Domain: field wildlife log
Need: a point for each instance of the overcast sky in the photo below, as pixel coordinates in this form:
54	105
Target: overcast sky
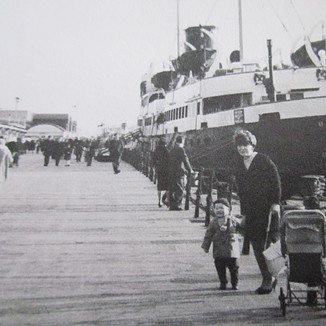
87	57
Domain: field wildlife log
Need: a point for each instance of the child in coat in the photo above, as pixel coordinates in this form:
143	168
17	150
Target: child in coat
226	249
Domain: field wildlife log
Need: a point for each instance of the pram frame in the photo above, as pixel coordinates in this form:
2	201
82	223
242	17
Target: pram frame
318	290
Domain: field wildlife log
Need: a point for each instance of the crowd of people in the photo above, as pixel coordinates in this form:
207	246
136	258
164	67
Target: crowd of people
58	149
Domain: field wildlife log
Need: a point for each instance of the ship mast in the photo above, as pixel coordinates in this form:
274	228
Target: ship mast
178	29
240	30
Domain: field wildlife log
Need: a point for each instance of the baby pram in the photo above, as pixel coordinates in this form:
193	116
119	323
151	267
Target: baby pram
303	243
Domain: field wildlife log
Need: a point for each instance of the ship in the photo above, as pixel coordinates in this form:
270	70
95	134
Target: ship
284	106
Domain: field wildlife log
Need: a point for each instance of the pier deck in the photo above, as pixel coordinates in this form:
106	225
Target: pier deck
83	246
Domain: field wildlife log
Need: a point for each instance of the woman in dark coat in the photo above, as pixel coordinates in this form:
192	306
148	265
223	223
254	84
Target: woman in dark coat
161	163
259	189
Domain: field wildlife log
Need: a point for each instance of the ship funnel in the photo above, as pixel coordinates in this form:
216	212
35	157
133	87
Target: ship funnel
199	37
199	54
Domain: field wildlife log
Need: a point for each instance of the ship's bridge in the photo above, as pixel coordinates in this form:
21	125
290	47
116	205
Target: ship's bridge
153	102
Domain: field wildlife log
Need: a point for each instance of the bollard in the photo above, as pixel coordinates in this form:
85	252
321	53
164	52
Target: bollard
188	189
209	197
154	176
198	193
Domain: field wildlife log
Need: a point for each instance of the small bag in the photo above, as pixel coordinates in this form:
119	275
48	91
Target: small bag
273	255
274	259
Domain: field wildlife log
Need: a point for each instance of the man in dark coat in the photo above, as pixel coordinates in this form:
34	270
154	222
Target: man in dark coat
115	148
47	149
178	166
259	189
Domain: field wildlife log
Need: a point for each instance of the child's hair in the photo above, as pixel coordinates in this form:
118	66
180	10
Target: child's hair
223	201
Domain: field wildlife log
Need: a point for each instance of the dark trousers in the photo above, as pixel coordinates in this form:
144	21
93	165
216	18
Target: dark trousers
115	165
258	247
176	192
221	264
46	159
89	160
57	160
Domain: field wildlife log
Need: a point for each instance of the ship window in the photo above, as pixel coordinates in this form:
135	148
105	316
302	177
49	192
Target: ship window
156	96
280	97
225	102
174	114
198	108
175	129
148	121
140	122
269	117
203	125
177	114
296	96
152	98
183	112
180	113
186	113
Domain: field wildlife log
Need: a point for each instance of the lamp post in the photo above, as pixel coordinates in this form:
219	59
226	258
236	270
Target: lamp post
76	118
16	108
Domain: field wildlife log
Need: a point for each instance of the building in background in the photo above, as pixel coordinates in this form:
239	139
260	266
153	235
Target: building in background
18	124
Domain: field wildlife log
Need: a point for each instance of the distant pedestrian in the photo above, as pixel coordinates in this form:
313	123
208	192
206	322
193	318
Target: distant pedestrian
259	189
68	148
57	150
179	165
78	150
47	149
222	231
5	160
90	152
13	147
115	148
161	165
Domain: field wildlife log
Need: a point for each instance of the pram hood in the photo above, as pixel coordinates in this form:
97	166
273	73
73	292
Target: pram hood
303	231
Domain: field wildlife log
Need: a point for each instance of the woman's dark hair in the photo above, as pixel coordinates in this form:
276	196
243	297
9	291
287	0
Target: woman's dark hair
244	137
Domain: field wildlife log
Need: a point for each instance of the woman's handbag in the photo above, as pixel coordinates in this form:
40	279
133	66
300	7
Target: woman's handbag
274	259
273	256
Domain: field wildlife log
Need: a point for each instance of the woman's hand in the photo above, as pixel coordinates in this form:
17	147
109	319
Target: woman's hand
275	209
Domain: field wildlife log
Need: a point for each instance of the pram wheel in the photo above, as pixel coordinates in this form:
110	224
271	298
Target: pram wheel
282	301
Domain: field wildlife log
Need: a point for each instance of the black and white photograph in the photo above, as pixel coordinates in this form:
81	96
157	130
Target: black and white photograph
162	162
